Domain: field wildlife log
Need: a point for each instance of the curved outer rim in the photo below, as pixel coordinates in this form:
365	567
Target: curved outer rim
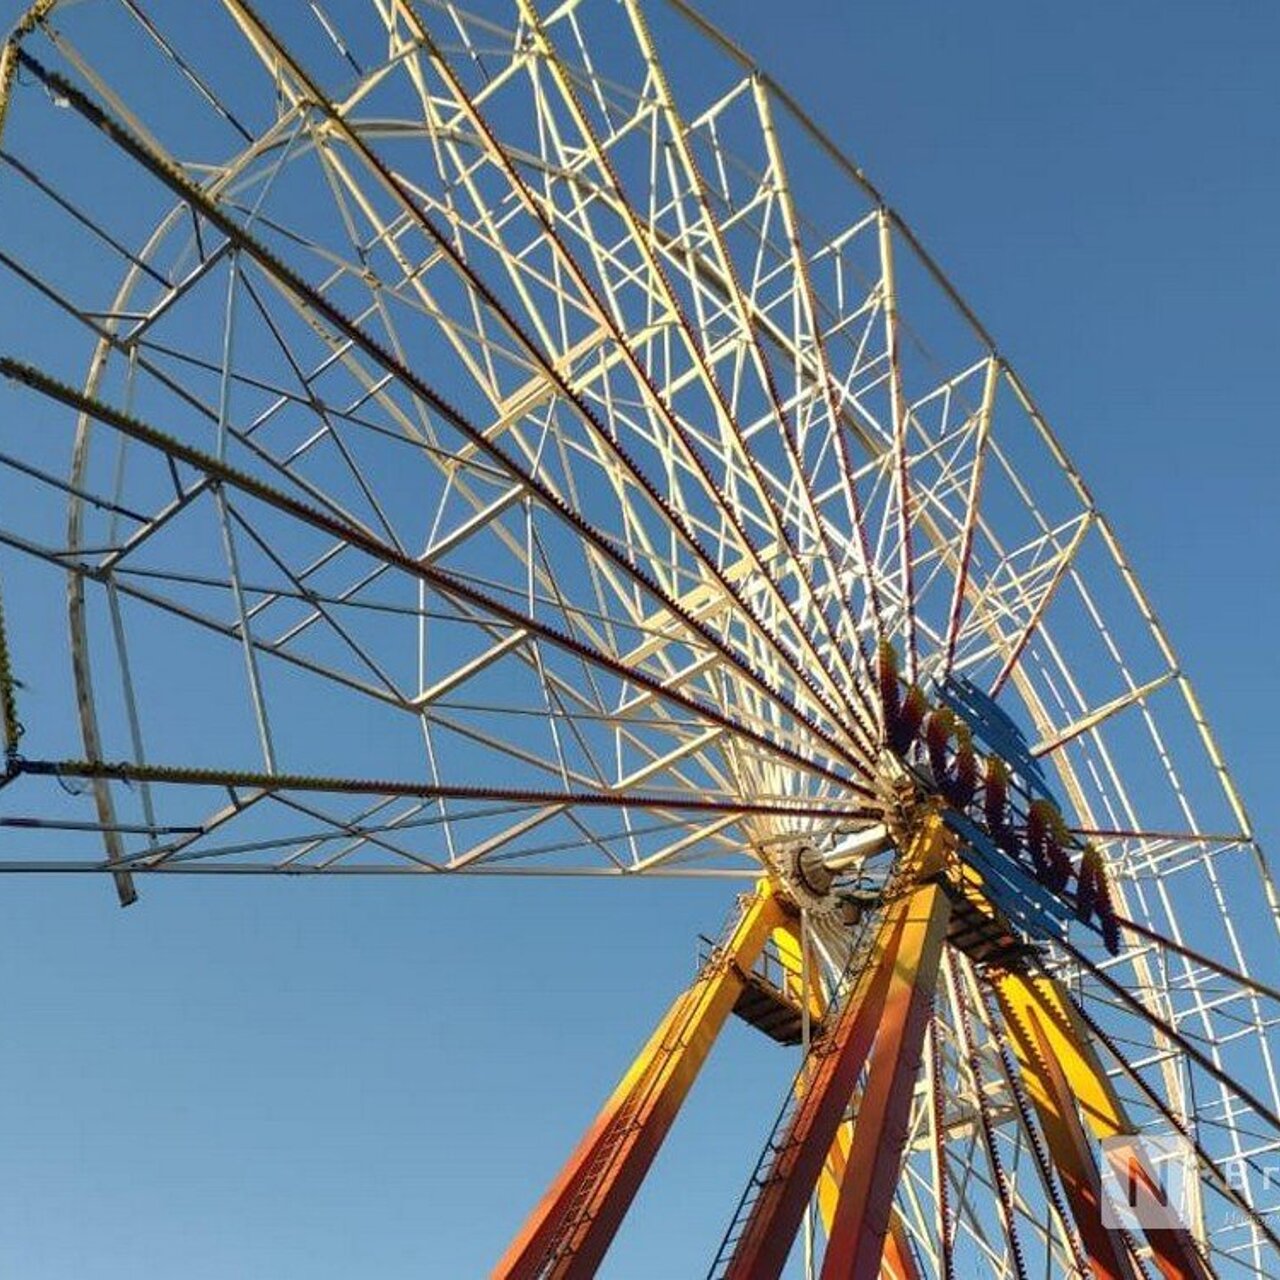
42	9
855	172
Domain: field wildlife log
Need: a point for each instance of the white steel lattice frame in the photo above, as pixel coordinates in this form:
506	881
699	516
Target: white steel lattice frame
474	440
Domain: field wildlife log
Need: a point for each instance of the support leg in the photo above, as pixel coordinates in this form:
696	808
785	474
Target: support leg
568	1233
1065	1080
907	947
899	1261
899	1258
858	1230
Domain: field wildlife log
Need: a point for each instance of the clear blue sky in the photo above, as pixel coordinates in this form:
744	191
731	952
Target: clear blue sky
327	1079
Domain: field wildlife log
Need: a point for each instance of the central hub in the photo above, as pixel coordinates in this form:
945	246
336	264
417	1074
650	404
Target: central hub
849	863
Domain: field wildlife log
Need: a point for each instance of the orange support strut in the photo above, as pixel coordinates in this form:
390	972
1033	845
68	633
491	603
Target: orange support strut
883	1010
899	1261
568	1233
1065	1080
856	1242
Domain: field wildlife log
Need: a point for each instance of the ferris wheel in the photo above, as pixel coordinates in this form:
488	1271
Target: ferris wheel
449	439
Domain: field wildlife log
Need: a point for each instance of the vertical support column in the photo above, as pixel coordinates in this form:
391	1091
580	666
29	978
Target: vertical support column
899	1257
904	957
569	1231
786	941
1065	1080
856	1242
761	1250
899	1261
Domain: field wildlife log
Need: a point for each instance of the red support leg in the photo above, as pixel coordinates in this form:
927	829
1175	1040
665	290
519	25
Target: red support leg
899	1261
856	1242
909	942
568	1233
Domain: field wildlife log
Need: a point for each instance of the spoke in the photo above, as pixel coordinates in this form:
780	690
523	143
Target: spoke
531	436
72	866
267	782
287	280
901	427
826	378
937	1102
979	1098
1044	1169
698	354
678	133
990	385
446	584
1174	837
689	454
1189	953
261	36
9	722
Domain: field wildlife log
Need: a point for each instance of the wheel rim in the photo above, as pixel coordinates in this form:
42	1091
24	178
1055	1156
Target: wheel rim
551	451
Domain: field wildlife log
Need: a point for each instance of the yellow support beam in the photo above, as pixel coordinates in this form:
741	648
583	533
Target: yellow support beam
787	944
569	1231
1065	1081
899	1262
882	1022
